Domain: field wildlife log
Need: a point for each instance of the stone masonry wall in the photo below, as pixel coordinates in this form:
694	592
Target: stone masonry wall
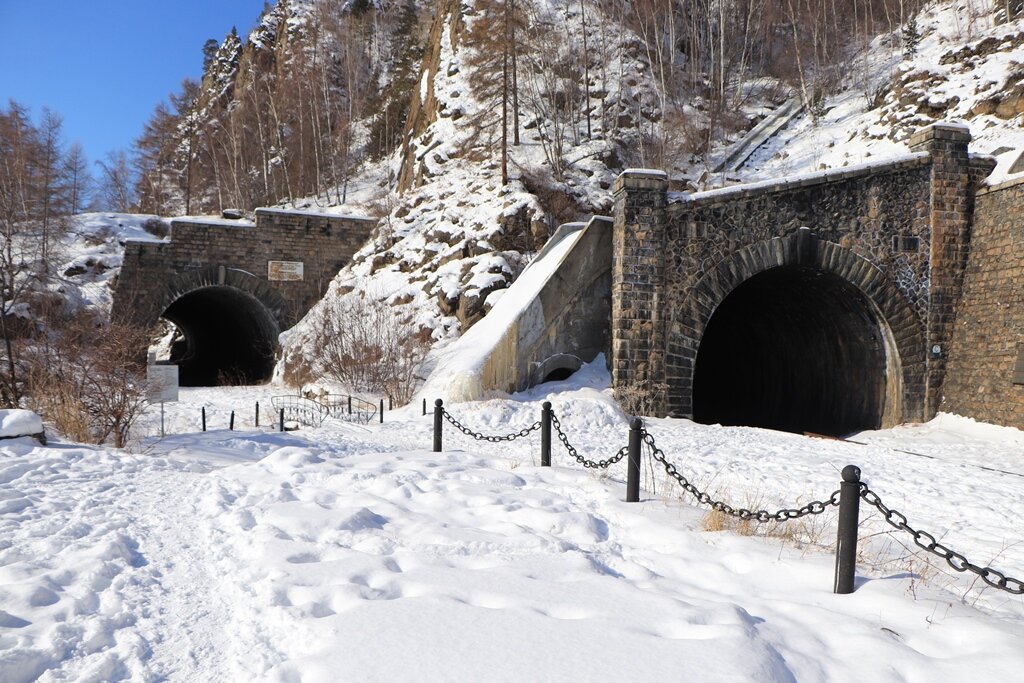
638	241
200	253
898	230
951	210
989	330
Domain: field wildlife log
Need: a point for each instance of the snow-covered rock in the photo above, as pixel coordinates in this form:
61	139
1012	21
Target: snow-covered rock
16	422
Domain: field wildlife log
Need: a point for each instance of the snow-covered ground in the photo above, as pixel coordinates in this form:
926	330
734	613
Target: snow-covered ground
351	552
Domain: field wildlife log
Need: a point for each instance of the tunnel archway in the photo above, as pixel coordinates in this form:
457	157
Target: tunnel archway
229	337
796	349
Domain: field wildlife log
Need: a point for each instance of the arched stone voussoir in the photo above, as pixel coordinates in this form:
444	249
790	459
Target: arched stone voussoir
802	248
216	276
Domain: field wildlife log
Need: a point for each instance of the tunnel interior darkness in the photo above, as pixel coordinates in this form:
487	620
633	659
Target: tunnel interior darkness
793	349
229	337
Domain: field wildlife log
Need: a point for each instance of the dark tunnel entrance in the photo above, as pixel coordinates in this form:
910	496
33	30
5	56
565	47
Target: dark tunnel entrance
793	349
229	337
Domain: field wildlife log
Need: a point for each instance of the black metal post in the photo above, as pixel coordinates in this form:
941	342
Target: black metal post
545	434
204	418
257	413
636	426
231	422
282	419
846	542
349	405
382	411
438	410
424	406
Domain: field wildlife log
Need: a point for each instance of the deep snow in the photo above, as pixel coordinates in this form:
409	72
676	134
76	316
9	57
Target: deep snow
349	552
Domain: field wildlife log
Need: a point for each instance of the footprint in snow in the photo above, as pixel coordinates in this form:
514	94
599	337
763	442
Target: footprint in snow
11	621
303	558
43	597
319	610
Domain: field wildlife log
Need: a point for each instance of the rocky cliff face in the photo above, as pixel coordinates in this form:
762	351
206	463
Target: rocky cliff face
424	107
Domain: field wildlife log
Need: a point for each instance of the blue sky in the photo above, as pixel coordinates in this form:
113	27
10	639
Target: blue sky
103	65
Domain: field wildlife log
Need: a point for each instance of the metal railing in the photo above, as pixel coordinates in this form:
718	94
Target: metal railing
299	409
350	408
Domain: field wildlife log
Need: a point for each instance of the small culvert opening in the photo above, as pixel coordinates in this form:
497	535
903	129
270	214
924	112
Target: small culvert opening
558	374
555	368
794	349
229	337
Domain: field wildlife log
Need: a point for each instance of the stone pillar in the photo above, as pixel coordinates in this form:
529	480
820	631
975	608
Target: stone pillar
638	282
952	208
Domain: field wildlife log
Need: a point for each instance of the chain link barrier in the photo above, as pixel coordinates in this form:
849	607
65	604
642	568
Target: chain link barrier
525	431
592	464
896	519
928	542
815	507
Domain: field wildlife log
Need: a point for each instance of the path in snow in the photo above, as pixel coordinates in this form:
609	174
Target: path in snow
107	568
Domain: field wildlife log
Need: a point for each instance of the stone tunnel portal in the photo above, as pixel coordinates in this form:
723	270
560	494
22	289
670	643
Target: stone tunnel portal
795	349
230	337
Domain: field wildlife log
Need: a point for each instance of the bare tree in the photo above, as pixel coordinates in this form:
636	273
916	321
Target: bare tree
33	209
77	179
116	187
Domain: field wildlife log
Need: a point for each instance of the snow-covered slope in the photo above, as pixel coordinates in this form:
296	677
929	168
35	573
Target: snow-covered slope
94	251
966	69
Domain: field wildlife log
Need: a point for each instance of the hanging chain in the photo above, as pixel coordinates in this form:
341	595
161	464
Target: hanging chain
927	541
894	518
525	431
593	464
815	507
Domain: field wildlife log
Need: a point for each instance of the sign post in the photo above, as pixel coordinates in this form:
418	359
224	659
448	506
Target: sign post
162	386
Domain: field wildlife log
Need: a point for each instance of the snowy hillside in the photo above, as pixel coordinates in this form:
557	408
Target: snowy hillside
349	552
966	69
458	236
94	250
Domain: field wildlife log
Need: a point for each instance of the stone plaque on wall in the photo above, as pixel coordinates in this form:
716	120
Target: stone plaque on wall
1018	368
284	270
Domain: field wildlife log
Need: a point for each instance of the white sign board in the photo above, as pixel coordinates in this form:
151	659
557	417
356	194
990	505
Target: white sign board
161	383
284	270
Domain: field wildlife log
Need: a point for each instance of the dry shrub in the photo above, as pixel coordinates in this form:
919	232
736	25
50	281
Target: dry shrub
811	530
361	343
644	397
714	520
89	380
